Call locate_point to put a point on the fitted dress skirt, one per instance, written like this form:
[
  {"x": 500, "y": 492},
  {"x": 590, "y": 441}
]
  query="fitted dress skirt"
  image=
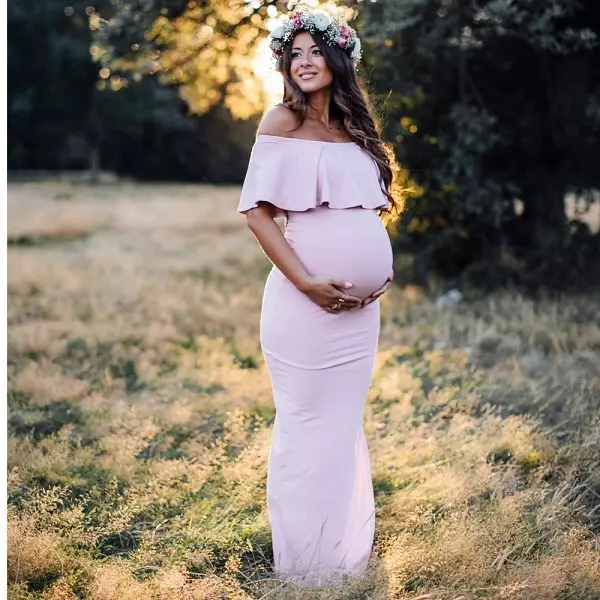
[{"x": 320, "y": 499}]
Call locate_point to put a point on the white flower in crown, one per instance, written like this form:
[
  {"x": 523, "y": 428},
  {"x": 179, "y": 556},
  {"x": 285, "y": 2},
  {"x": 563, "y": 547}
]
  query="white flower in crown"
[
  {"x": 278, "y": 33},
  {"x": 321, "y": 21},
  {"x": 355, "y": 54}
]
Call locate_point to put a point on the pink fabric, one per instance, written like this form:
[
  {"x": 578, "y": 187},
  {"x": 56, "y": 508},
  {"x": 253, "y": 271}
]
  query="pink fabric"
[
  {"x": 295, "y": 174},
  {"x": 320, "y": 499}
]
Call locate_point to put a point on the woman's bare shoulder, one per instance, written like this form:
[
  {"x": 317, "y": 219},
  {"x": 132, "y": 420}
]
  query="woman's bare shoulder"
[{"x": 278, "y": 120}]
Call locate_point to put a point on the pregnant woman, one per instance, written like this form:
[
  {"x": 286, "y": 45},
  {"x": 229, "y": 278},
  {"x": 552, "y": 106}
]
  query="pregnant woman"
[{"x": 319, "y": 161}]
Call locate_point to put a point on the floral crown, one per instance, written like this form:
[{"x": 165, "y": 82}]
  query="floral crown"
[{"x": 334, "y": 32}]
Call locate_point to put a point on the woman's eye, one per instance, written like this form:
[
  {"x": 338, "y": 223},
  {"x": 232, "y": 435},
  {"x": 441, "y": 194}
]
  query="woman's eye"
[{"x": 295, "y": 54}]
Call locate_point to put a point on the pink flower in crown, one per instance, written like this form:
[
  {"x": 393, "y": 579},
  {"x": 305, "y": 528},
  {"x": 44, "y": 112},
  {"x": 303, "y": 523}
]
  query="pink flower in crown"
[
  {"x": 298, "y": 20},
  {"x": 344, "y": 36}
]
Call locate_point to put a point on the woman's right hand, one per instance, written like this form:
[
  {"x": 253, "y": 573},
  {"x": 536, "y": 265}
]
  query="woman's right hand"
[{"x": 326, "y": 292}]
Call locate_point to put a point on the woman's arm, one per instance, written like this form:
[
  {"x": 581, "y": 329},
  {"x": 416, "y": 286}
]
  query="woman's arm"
[
  {"x": 270, "y": 237},
  {"x": 324, "y": 291}
]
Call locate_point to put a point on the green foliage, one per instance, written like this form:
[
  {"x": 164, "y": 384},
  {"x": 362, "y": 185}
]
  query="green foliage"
[
  {"x": 51, "y": 98},
  {"x": 205, "y": 48},
  {"x": 64, "y": 114},
  {"x": 489, "y": 104}
]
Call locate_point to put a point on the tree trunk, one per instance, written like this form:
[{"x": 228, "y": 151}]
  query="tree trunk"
[
  {"x": 94, "y": 139},
  {"x": 94, "y": 164},
  {"x": 544, "y": 214}
]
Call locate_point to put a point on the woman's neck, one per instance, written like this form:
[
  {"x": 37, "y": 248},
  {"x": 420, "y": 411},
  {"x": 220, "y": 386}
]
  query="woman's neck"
[{"x": 319, "y": 103}]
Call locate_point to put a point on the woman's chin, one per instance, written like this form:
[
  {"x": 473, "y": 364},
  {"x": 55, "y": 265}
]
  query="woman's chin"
[{"x": 309, "y": 83}]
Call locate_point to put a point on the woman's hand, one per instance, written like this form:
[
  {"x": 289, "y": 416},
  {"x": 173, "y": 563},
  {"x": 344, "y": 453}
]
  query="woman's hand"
[
  {"x": 382, "y": 290},
  {"x": 326, "y": 292}
]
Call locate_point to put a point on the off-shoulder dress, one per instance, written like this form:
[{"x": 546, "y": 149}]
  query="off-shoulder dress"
[{"x": 320, "y": 499}]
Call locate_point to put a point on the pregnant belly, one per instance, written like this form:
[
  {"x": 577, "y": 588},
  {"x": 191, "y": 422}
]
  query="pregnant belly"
[{"x": 349, "y": 244}]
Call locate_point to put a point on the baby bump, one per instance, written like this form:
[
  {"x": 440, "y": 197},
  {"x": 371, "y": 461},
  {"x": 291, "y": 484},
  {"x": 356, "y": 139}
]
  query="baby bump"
[{"x": 350, "y": 244}]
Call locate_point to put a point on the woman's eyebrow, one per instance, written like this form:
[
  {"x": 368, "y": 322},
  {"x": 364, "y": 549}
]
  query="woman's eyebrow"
[{"x": 298, "y": 48}]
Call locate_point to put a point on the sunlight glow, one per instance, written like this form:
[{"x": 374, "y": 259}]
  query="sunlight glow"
[{"x": 272, "y": 81}]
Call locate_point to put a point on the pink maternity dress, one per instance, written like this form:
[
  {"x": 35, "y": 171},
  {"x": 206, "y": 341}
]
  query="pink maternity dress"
[{"x": 320, "y": 499}]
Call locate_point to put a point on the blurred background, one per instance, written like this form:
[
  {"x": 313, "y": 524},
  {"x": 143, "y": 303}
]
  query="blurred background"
[
  {"x": 493, "y": 108},
  {"x": 140, "y": 411}
]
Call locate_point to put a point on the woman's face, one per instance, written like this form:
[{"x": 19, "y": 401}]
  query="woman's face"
[{"x": 308, "y": 58}]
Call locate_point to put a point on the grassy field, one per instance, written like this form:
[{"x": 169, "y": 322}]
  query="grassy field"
[{"x": 140, "y": 417}]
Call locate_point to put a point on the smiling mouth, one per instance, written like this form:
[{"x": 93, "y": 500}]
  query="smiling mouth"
[{"x": 308, "y": 76}]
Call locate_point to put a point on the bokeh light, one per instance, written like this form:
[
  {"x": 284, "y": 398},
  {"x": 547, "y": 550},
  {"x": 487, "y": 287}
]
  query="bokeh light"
[{"x": 271, "y": 80}]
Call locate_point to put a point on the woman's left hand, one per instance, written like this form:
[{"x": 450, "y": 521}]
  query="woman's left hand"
[{"x": 382, "y": 290}]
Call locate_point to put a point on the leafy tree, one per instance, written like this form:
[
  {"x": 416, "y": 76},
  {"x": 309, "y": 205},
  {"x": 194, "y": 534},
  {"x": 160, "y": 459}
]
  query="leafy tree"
[
  {"x": 70, "y": 109},
  {"x": 52, "y": 95},
  {"x": 205, "y": 48},
  {"x": 491, "y": 102}
]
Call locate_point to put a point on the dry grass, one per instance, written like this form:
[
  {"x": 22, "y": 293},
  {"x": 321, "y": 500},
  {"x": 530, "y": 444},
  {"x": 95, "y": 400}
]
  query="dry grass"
[{"x": 140, "y": 418}]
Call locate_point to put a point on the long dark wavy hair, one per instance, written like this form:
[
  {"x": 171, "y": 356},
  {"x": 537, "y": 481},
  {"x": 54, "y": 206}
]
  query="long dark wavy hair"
[{"x": 350, "y": 104}]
